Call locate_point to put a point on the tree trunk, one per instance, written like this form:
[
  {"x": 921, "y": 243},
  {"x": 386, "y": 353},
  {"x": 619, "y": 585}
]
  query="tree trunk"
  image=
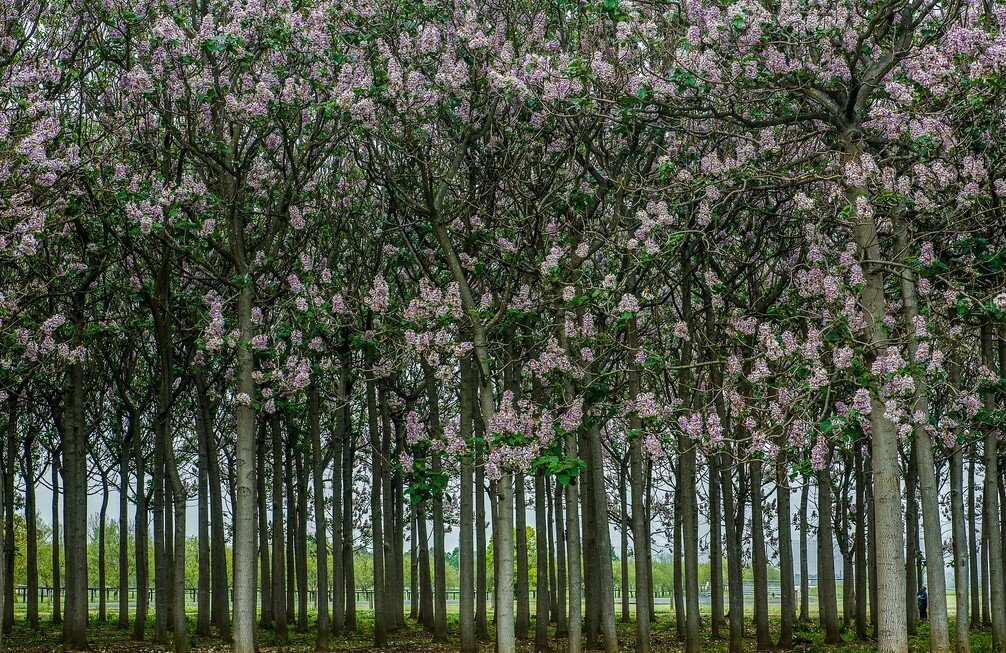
[
  {"x": 377, "y": 518},
  {"x": 716, "y": 554},
  {"x": 481, "y": 564},
  {"x": 204, "y": 611},
  {"x": 602, "y": 534},
  {"x": 827, "y": 598},
  {"x": 990, "y": 515},
  {"x": 911, "y": 543},
  {"x": 279, "y": 603},
  {"x": 102, "y": 567},
  {"x": 140, "y": 541},
  {"x": 859, "y": 546},
  {"x": 786, "y": 580},
  {"x": 541, "y": 562},
  {"x": 759, "y": 559},
  {"x": 962, "y": 641},
  {"x": 523, "y": 589},
  {"x": 892, "y": 627},
  {"x": 560, "y": 563},
  {"x": 804, "y": 563},
  {"x": 637, "y": 484},
  {"x": 466, "y": 596},
  {"x": 31, "y": 531},
  {"x": 426, "y": 616},
  {"x": 57, "y": 617},
  {"x": 75, "y": 511},
  {"x": 624, "y": 527},
  {"x": 266, "y": 582},
  {"x": 733, "y": 512},
  {"x": 245, "y": 499},
  {"x": 321, "y": 642}
]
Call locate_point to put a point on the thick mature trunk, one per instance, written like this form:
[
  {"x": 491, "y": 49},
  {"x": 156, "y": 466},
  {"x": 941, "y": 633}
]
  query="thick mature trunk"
[
  {"x": 892, "y": 636},
  {"x": 787, "y": 604},
  {"x": 504, "y": 550},
  {"x": 481, "y": 564},
  {"x": 759, "y": 559},
  {"x": 244, "y": 510},
  {"x": 827, "y": 597},
  {"x": 962, "y": 641},
  {"x": 990, "y": 514},
  {"x": 75, "y": 511},
  {"x": 320, "y": 516}
]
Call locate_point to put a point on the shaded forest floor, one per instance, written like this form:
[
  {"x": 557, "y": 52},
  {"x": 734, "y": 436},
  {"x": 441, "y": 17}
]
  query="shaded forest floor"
[{"x": 413, "y": 639}]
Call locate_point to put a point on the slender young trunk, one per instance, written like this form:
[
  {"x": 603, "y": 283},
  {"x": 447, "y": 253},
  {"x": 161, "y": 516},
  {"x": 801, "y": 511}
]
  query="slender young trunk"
[
  {"x": 481, "y": 565},
  {"x": 321, "y": 641},
  {"x": 523, "y": 589},
  {"x": 733, "y": 512},
  {"x": 962, "y": 641},
  {"x": 859, "y": 546},
  {"x": 973, "y": 538},
  {"x": 426, "y": 616},
  {"x": 788, "y": 605},
  {"x": 871, "y": 530},
  {"x": 123, "y": 620},
  {"x": 279, "y": 606},
  {"x": 624, "y": 527},
  {"x": 759, "y": 559},
  {"x": 140, "y": 541},
  {"x": 990, "y": 514},
  {"x": 637, "y": 484},
  {"x": 677, "y": 578},
  {"x": 911, "y": 543},
  {"x": 804, "y": 564},
  {"x": 301, "y": 543},
  {"x": 57, "y": 539},
  {"x": 716, "y": 554},
  {"x": 439, "y": 551},
  {"x": 348, "y": 568},
  {"x": 560, "y": 563},
  {"x": 377, "y": 517},
  {"x": 7, "y": 563},
  {"x": 204, "y": 610},
  {"x": 340, "y": 445},
  {"x": 220, "y": 591},
  {"x": 31, "y": 531},
  {"x": 102, "y": 567},
  {"x": 939, "y": 635},
  {"x": 541, "y": 561},
  {"x": 827, "y": 598},
  {"x": 262, "y": 515},
  {"x": 414, "y": 567},
  {"x": 984, "y": 552},
  {"x": 466, "y": 597}
]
